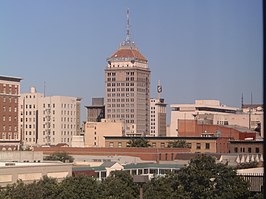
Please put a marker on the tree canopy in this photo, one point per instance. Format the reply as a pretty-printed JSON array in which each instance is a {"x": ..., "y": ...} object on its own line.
[
  {"x": 178, "y": 144},
  {"x": 202, "y": 178},
  {"x": 60, "y": 156},
  {"x": 138, "y": 142}
]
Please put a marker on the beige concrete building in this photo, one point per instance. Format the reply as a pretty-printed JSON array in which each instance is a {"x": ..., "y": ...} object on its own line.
[
  {"x": 127, "y": 88},
  {"x": 21, "y": 156},
  {"x": 213, "y": 112},
  {"x": 158, "y": 117},
  {"x": 95, "y": 131},
  {"x": 9, "y": 106},
  {"x": 10, "y": 172},
  {"x": 48, "y": 120}
]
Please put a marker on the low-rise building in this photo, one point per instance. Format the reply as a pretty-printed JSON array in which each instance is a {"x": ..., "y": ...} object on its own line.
[
  {"x": 197, "y": 128},
  {"x": 10, "y": 172},
  {"x": 215, "y": 113},
  {"x": 95, "y": 131},
  {"x": 194, "y": 144},
  {"x": 246, "y": 146}
]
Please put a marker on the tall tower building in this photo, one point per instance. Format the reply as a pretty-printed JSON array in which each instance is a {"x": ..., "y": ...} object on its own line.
[
  {"x": 9, "y": 105},
  {"x": 127, "y": 87}
]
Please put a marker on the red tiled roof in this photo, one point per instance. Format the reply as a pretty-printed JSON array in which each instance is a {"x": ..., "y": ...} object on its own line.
[{"x": 128, "y": 53}]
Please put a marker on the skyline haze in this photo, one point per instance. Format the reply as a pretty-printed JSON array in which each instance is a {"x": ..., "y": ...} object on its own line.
[{"x": 197, "y": 49}]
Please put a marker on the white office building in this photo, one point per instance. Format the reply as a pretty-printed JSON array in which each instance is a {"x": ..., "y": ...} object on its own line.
[
  {"x": 213, "y": 112},
  {"x": 48, "y": 120}
]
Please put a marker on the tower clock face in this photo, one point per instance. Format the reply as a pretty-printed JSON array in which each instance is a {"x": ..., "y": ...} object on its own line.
[{"x": 159, "y": 89}]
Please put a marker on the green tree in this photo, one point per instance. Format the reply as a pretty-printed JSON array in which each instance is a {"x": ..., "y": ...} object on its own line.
[
  {"x": 178, "y": 144},
  {"x": 165, "y": 187},
  {"x": 119, "y": 185},
  {"x": 20, "y": 190},
  {"x": 45, "y": 188},
  {"x": 246, "y": 165},
  {"x": 81, "y": 186},
  {"x": 60, "y": 156},
  {"x": 138, "y": 142},
  {"x": 203, "y": 178},
  {"x": 48, "y": 187}
]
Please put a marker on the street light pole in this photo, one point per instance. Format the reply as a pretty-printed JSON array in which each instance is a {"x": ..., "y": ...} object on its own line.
[{"x": 140, "y": 179}]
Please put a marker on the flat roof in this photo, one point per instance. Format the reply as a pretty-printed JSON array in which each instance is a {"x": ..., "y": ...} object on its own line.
[
  {"x": 10, "y": 78},
  {"x": 160, "y": 138},
  {"x": 30, "y": 164}
]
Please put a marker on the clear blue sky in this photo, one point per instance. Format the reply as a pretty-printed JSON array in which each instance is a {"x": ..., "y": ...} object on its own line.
[{"x": 207, "y": 49}]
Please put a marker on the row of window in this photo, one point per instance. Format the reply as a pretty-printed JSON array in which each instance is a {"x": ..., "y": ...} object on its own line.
[
  {"x": 9, "y": 90},
  {"x": 120, "y": 105},
  {"x": 9, "y": 128},
  {"x": 9, "y": 118},
  {"x": 163, "y": 145},
  {"x": 10, "y": 99},
  {"x": 120, "y": 89},
  {"x": 121, "y": 116},
  {"x": 9, "y": 109},
  {"x": 9, "y": 136},
  {"x": 120, "y": 110},
  {"x": 249, "y": 150},
  {"x": 120, "y": 94},
  {"x": 120, "y": 84}
]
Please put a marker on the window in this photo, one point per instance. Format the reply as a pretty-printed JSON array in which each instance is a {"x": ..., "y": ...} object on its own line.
[
  {"x": 249, "y": 150},
  {"x": 207, "y": 145},
  {"x": 198, "y": 146},
  {"x": 111, "y": 144},
  {"x": 119, "y": 144},
  {"x": 236, "y": 150},
  {"x": 257, "y": 149}
]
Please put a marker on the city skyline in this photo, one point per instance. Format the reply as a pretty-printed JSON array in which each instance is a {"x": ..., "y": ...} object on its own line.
[{"x": 198, "y": 50}]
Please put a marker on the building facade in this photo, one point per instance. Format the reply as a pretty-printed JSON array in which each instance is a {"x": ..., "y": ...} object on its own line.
[
  {"x": 11, "y": 172},
  {"x": 48, "y": 120},
  {"x": 213, "y": 112},
  {"x": 158, "y": 117},
  {"x": 96, "y": 111},
  {"x": 188, "y": 128},
  {"x": 194, "y": 144},
  {"x": 9, "y": 109},
  {"x": 127, "y": 88},
  {"x": 95, "y": 131}
]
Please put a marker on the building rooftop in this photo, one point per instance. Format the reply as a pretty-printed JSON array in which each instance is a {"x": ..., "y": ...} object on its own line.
[
  {"x": 128, "y": 51},
  {"x": 10, "y": 78}
]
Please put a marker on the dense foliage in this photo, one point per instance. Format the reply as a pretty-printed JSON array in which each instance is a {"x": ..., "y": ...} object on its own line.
[
  {"x": 138, "y": 142},
  {"x": 60, "y": 156},
  {"x": 178, "y": 144},
  {"x": 201, "y": 179}
]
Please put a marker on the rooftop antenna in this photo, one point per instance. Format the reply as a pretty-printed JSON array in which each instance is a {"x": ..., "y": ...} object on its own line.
[
  {"x": 251, "y": 99},
  {"x": 44, "y": 88},
  {"x": 242, "y": 101},
  {"x": 128, "y": 28}
]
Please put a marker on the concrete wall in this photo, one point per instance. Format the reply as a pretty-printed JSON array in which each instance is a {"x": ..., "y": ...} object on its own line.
[
  {"x": 34, "y": 171},
  {"x": 21, "y": 156}
]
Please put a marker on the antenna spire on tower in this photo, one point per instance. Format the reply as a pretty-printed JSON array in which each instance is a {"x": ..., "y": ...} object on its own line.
[
  {"x": 242, "y": 101},
  {"x": 128, "y": 28}
]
